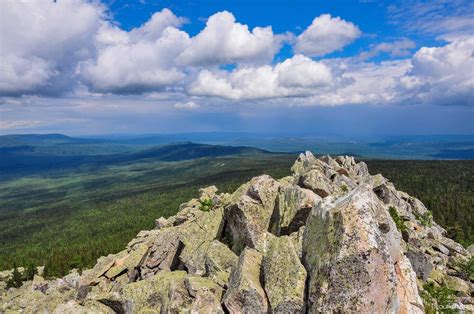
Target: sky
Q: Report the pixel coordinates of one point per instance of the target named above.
(358, 68)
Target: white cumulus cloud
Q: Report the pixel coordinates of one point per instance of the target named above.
(137, 61)
(42, 41)
(325, 35)
(442, 75)
(225, 41)
(297, 76)
(72, 46)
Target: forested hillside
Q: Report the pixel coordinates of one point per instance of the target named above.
(67, 218)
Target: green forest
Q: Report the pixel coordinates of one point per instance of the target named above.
(67, 218)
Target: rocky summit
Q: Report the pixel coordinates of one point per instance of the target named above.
(329, 238)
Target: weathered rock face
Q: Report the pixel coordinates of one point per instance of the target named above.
(351, 258)
(245, 293)
(284, 277)
(329, 238)
(248, 216)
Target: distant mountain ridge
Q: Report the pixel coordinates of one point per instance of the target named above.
(18, 159)
(41, 139)
(381, 147)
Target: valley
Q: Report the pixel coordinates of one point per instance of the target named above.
(64, 211)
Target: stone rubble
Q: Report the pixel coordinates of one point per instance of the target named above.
(321, 240)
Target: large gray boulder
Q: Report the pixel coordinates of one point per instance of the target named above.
(170, 292)
(284, 277)
(249, 214)
(245, 293)
(292, 207)
(351, 260)
(219, 262)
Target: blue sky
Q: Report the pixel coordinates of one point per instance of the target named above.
(323, 67)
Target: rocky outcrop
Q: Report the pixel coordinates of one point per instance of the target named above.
(329, 238)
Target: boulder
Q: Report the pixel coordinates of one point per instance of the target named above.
(316, 181)
(196, 237)
(92, 277)
(407, 289)
(303, 164)
(72, 307)
(164, 252)
(284, 277)
(361, 169)
(170, 292)
(458, 285)
(219, 262)
(293, 205)
(470, 249)
(422, 263)
(208, 193)
(350, 259)
(160, 223)
(184, 245)
(329, 161)
(452, 246)
(245, 293)
(437, 276)
(130, 261)
(248, 215)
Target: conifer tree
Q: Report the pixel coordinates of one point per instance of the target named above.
(16, 280)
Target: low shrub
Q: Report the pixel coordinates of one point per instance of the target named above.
(397, 219)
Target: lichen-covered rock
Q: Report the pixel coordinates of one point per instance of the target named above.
(303, 164)
(30, 298)
(219, 262)
(407, 289)
(452, 246)
(196, 237)
(470, 249)
(207, 295)
(292, 207)
(245, 293)
(249, 214)
(284, 277)
(350, 259)
(171, 292)
(316, 181)
(184, 245)
(160, 223)
(72, 307)
(163, 252)
(207, 193)
(422, 263)
(92, 277)
(458, 285)
(129, 261)
(297, 238)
